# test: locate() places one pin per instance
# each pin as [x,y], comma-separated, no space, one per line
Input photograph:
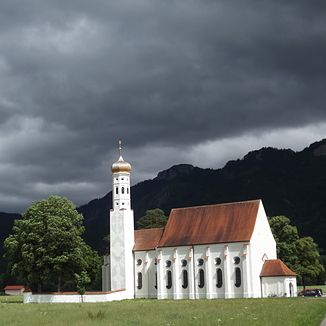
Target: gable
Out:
[275,267]
[223,223]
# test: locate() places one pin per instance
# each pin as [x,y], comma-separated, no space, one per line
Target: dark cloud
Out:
[175,80]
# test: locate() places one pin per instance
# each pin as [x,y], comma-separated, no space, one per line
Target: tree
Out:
[47,244]
[286,237]
[81,281]
[300,255]
[308,255]
[154,218]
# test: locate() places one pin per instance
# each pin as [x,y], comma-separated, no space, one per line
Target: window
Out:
[123,190]
[218,261]
[155,280]
[128,191]
[184,278]
[200,262]
[201,278]
[236,260]
[168,279]
[139,262]
[219,278]
[237,277]
[183,263]
[168,263]
[116,190]
[139,281]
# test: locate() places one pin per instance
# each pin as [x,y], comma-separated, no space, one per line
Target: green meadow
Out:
[269,311]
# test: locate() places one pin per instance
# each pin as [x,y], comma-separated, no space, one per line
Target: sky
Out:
[177,81]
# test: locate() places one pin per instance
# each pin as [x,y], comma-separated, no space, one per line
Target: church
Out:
[215,251]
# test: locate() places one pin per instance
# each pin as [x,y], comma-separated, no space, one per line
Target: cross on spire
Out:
[120,147]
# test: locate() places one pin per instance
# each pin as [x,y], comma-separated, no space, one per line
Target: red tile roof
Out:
[223,223]
[147,239]
[14,287]
[275,267]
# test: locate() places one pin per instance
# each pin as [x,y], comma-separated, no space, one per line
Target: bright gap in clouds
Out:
[215,154]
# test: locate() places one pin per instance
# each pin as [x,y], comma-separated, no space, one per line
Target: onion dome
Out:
[121,166]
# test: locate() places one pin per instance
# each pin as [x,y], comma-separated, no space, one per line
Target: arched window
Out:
[155,280]
[237,277]
[139,281]
[128,191]
[184,278]
[168,279]
[219,278]
[201,278]
[123,190]
[116,190]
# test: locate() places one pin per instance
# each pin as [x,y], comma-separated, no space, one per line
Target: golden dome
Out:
[121,166]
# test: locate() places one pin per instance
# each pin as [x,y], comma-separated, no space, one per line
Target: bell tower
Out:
[121,229]
[121,183]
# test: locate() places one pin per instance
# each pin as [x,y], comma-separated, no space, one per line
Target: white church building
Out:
[215,251]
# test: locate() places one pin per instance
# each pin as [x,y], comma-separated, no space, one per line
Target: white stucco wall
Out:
[280,286]
[205,255]
[262,246]
[121,245]
[147,267]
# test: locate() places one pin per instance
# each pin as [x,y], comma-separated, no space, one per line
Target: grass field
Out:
[262,312]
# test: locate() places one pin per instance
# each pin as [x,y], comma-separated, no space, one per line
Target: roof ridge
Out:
[220,204]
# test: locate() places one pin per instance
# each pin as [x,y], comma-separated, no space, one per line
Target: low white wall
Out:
[73,297]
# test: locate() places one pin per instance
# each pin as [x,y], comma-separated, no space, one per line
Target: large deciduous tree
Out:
[300,255]
[286,237]
[47,244]
[308,255]
[154,218]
